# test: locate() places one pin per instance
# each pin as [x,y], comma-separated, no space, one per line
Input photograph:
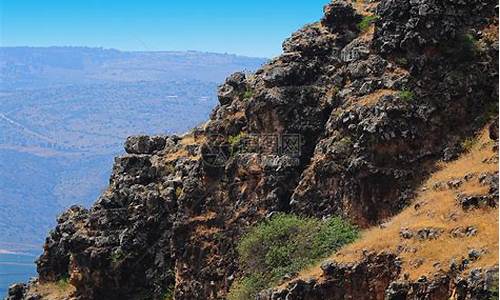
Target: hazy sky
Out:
[248,27]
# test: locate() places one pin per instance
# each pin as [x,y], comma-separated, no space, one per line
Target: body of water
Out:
[18,267]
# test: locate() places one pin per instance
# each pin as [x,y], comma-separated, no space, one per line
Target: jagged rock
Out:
[354,51]
[429,233]
[478,285]
[310,40]
[340,15]
[232,88]
[454,184]
[338,283]
[16,291]
[328,268]
[461,232]
[52,265]
[406,233]
[413,25]
[493,130]
[143,144]
[336,135]
[397,290]
[451,153]
[467,202]
[474,254]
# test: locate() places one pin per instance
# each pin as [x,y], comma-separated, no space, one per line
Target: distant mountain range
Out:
[65,112]
[32,67]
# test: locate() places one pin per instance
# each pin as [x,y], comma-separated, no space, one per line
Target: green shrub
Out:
[247,287]
[247,94]
[365,23]
[63,283]
[235,142]
[285,244]
[406,95]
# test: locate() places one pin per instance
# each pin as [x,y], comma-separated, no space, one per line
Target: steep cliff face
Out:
[443,246]
[349,121]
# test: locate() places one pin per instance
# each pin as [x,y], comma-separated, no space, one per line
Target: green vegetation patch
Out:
[283,245]
[63,283]
[235,142]
[365,23]
[248,94]
[406,95]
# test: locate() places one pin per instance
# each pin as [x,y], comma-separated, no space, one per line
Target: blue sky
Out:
[247,27]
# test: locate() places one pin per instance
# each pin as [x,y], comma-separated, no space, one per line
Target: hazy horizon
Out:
[135,51]
[254,29]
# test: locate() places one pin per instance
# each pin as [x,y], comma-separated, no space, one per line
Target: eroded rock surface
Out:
[347,121]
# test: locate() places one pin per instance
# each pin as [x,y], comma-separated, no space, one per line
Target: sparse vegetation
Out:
[63,283]
[170,168]
[178,191]
[365,23]
[434,207]
[169,293]
[235,142]
[468,143]
[247,287]
[406,95]
[346,141]
[335,90]
[402,61]
[117,256]
[284,245]
[344,145]
[248,94]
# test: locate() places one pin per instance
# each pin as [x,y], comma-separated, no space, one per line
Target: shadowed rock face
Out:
[375,277]
[367,279]
[347,121]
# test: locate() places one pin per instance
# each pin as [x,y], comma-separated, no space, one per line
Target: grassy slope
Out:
[437,208]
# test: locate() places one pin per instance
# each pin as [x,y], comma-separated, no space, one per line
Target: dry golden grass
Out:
[205,231]
[437,208]
[191,139]
[372,98]
[367,35]
[176,155]
[209,215]
[54,290]
[364,8]
[490,32]
[186,140]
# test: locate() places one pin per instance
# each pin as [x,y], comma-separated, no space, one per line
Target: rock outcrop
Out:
[348,121]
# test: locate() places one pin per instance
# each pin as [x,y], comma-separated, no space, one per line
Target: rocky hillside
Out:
[368,114]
